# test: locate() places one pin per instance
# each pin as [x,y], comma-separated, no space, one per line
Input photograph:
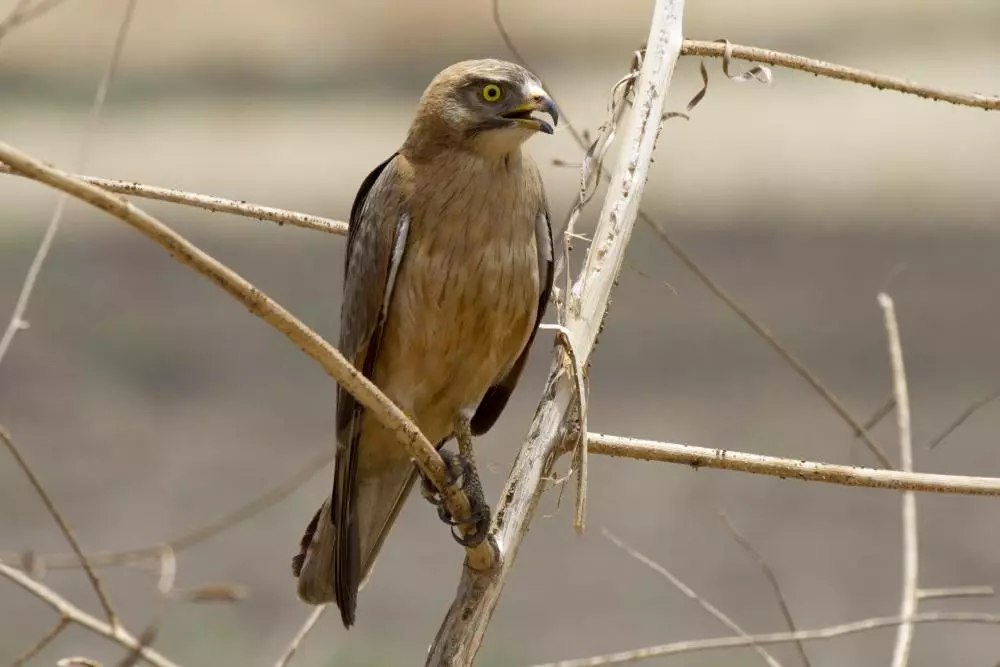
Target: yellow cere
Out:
[492,92]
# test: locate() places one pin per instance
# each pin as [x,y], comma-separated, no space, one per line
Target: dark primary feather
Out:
[370,240]
[496,397]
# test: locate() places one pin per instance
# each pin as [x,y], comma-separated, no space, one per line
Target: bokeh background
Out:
[150,402]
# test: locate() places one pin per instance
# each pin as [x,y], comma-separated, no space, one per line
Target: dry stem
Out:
[693,645]
[714,611]
[67,532]
[910,595]
[17,322]
[70,611]
[761,464]
[718,49]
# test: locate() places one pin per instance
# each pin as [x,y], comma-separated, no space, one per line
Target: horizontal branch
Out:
[718,49]
[70,611]
[760,464]
[209,203]
[831,632]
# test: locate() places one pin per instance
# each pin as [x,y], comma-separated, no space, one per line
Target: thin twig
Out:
[581,462]
[25,12]
[769,575]
[693,645]
[17,322]
[968,412]
[714,611]
[956,592]
[908,606]
[192,537]
[774,466]
[211,203]
[761,330]
[63,526]
[293,645]
[888,405]
[718,49]
[44,641]
[349,378]
[68,610]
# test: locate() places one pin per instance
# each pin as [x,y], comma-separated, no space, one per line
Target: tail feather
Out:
[377,504]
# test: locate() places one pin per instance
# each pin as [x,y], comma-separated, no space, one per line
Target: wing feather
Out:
[375,241]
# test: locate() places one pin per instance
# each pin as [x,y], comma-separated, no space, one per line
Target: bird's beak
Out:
[538,100]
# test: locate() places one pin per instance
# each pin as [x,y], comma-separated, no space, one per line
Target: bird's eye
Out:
[492,92]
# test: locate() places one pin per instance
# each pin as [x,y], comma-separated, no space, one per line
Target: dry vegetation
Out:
[636,112]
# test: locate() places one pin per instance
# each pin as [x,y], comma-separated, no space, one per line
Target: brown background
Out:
[150,402]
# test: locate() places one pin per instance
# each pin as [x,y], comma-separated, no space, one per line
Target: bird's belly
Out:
[457,322]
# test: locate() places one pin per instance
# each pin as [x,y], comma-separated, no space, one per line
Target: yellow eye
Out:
[492,92]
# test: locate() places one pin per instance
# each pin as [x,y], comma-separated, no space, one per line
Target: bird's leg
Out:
[476,529]
[454,466]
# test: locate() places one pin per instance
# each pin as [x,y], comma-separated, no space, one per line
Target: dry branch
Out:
[761,464]
[911,570]
[70,611]
[211,203]
[194,536]
[690,593]
[17,322]
[772,579]
[832,632]
[333,362]
[718,49]
[67,532]
[462,631]
[293,645]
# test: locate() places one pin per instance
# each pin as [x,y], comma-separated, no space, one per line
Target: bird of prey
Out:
[448,271]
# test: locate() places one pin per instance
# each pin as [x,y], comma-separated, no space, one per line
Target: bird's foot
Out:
[455,467]
[472,531]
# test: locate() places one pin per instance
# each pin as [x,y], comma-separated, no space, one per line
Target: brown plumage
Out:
[447,274]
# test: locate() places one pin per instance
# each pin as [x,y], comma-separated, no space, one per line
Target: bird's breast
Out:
[465,298]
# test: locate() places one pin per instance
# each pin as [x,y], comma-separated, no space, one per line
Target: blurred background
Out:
[150,402]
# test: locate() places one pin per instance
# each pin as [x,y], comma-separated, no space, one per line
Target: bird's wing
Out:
[496,397]
[376,238]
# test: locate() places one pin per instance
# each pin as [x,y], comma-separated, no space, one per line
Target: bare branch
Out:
[195,536]
[17,322]
[760,464]
[694,645]
[956,592]
[462,631]
[24,12]
[769,575]
[911,570]
[68,610]
[211,203]
[718,49]
[44,641]
[63,526]
[761,330]
[690,593]
[293,645]
[968,412]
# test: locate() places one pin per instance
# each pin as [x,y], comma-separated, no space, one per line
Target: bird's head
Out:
[491,106]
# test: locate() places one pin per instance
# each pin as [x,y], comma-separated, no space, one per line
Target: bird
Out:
[448,271]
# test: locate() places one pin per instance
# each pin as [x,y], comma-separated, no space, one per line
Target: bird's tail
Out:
[377,504]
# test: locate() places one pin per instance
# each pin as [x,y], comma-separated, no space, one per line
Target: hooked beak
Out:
[538,100]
